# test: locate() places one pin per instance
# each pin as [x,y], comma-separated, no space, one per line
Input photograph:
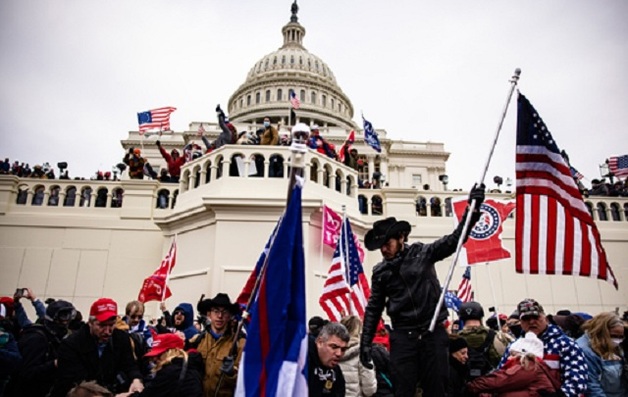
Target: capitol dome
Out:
[291,68]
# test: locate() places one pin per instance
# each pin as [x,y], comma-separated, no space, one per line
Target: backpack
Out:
[478,358]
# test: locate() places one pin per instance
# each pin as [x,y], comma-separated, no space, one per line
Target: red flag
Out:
[346,291]
[554,231]
[154,285]
[331,230]
[345,146]
[485,243]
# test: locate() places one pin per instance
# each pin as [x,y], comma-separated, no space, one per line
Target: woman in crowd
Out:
[360,381]
[458,370]
[177,373]
[605,360]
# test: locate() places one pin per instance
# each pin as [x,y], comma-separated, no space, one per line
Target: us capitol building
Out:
[83,239]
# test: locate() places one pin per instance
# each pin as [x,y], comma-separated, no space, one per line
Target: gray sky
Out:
[75,72]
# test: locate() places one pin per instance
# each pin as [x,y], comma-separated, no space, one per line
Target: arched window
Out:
[302,95]
[615,212]
[421,206]
[248,100]
[38,197]
[291,59]
[283,59]
[70,197]
[86,197]
[362,204]
[116,198]
[601,212]
[435,209]
[377,207]
[279,95]
[22,195]
[53,200]
[258,98]
[324,101]
[267,95]
[313,97]
[101,197]
[163,198]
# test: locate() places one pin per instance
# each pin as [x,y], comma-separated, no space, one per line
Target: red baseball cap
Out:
[103,309]
[165,342]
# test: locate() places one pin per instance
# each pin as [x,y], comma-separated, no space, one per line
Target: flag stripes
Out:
[155,119]
[554,231]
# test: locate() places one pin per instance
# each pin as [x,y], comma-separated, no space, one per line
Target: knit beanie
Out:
[456,344]
[529,344]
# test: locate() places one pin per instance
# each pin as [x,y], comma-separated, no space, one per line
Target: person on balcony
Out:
[136,163]
[318,143]
[174,161]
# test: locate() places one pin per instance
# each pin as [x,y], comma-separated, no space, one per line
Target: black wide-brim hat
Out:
[220,300]
[383,230]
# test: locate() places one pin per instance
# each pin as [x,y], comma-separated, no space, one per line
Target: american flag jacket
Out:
[562,354]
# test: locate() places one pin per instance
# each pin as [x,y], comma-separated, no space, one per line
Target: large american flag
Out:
[465,290]
[618,165]
[346,290]
[155,119]
[294,100]
[554,231]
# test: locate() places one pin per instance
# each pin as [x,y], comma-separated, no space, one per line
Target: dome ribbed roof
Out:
[266,89]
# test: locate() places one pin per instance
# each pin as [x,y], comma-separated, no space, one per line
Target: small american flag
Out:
[575,173]
[554,231]
[346,291]
[618,165]
[155,118]
[294,100]
[465,291]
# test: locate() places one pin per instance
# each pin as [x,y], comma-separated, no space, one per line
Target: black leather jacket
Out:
[408,287]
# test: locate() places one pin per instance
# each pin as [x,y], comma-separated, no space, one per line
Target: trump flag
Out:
[155,287]
[485,243]
[274,359]
[332,222]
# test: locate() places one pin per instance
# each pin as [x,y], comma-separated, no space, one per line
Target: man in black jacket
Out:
[324,374]
[405,282]
[98,352]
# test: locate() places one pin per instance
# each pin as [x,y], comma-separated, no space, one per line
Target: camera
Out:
[21,293]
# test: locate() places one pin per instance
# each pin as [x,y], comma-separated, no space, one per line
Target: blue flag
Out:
[275,355]
[452,301]
[370,136]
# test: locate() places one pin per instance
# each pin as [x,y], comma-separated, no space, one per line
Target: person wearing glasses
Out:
[216,345]
[141,338]
[98,351]
[325,376]
[38,345]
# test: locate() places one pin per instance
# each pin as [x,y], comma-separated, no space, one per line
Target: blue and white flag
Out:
[370,136]
[452,301]
[275,355]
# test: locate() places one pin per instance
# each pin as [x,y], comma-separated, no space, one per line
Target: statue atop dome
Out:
[295,10]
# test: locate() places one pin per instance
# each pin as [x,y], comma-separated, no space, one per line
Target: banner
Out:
[332,223]
[485,243]
[155,287]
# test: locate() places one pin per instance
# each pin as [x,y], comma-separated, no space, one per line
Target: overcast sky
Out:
[75,72]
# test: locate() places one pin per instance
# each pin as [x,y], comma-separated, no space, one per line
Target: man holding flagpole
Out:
[405,283]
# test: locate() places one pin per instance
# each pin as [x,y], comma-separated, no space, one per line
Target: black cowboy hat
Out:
[383,230]
[220,300]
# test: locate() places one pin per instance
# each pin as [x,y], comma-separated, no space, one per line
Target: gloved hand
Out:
[158,143]
[218,109]
[477,193]
[365,356]
[227,366]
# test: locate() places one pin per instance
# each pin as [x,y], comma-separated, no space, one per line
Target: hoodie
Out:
[187,327]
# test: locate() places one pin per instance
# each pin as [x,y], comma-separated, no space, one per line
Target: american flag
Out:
[554,231]
[465,291]
[575,173]
[155,118]
[294,100]
[346,291]
[618,165]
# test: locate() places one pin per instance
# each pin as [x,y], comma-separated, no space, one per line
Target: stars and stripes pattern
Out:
[465,290]
[294,100]
[618,165]
[346,290]
[575,173]
[155,119]
[452,301]
[554,231]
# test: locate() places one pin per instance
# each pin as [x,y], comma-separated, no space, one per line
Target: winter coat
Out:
[604,376]
[458,377]
[187,327]
[174,165]
[136,165]
[359,380]
[10,358]
[323,378]
[383,371]
[227,136]
[167,384]
[513,380]
[270,136]
[38,346]
[562,355]
[408,286]
[213,352]
[78,361]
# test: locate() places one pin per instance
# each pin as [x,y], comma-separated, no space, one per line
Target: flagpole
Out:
[490,281]
[513,83]
[163,293]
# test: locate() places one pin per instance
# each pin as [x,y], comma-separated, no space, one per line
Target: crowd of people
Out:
[600,187]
